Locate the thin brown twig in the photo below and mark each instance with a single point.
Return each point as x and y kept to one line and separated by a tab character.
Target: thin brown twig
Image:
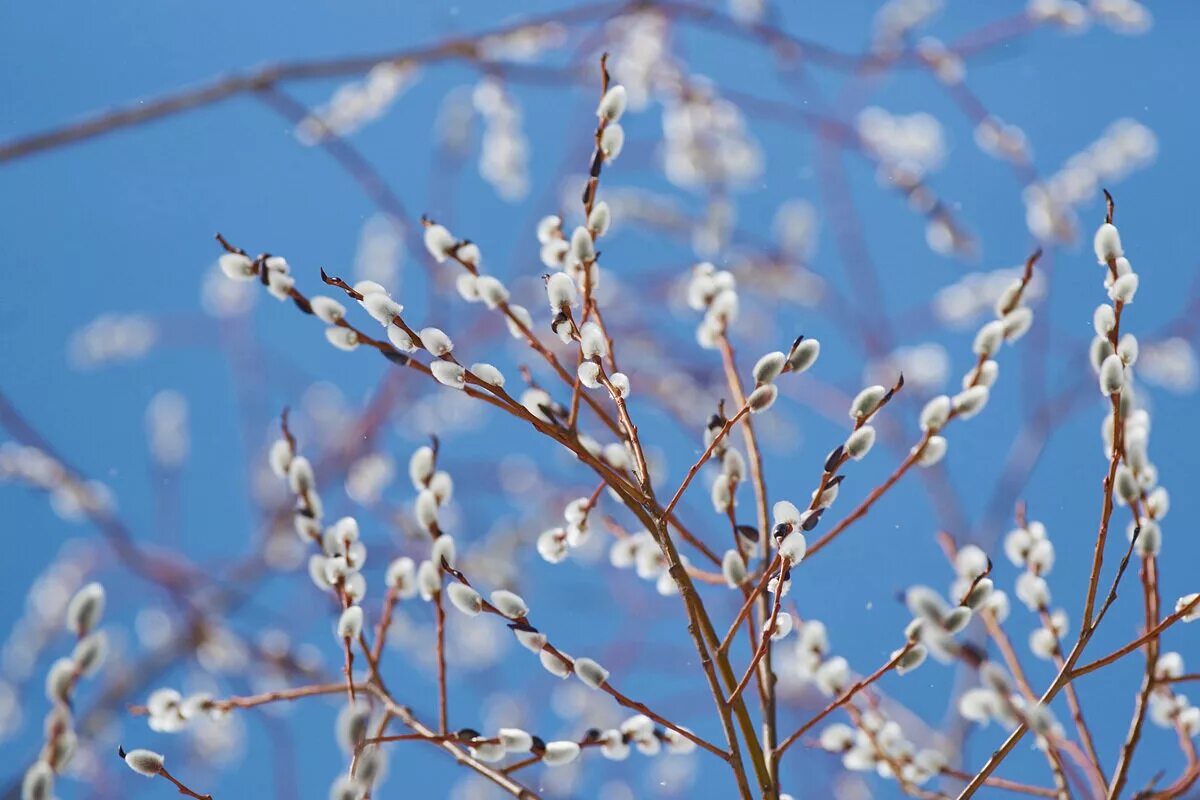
439	612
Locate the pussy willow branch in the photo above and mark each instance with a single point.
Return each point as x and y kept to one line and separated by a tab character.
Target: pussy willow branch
536	344
893	763
1149	576
907	464
1117	454
605	687
726	427
758	480
998	635
836	460
464	758
635	500
1064	675
1093	765
844	698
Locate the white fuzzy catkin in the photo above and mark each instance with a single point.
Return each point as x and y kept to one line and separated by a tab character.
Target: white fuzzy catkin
89	652
85	609
237	266
443	551
804	355
488	752
382	308
793	548
733	465
612	141
591	341
620	384
721	495
1149	541
970	401
592	674
492	292
582	247
600	218
986	375
559	753
956	619
1127	349
933	452
465	599
936	413
589	374
59	680
914	658
553	252
1104	319
342	338
833	676
836	737
1126	485
531	640
402	576
784	512
400	339
488	374
421	466
442	486
439	242
515	740
1017	323
467	286
554	664
350	623
1033	591
1112	375
368	287
769	367
988	339
38	782
1107	243
144	762
327	309
859	443
426	510
469	253
280	285
560	291
1191	602
925	603
429	580
300	475
552	545
867	401
279	457
1099	349
449	374
762	398
549	229
1124	288
435	341
612	105
733	568
509	604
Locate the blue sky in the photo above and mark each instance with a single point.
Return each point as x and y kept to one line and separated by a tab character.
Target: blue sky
124	224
